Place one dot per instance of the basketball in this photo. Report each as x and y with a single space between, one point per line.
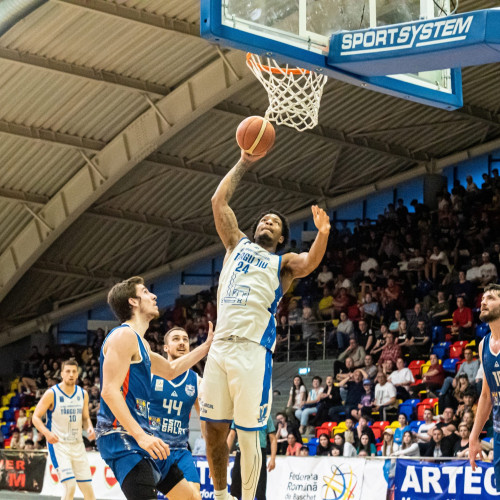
255 135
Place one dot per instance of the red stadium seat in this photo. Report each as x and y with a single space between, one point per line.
456 351
415 365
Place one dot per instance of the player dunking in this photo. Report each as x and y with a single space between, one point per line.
489 352
124 437
237 378
67 409
171 405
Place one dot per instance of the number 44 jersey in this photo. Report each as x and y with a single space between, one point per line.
170 407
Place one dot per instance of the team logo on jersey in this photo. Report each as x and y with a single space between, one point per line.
262 413
159 384
61 399
154 423
190 390
141 407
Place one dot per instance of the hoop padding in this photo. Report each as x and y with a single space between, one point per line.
294 93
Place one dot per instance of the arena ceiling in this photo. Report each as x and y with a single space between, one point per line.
117 123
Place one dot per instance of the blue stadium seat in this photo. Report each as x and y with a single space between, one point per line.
8 415
312 449
5 430
442 349
449 365
438 334
415 425
482 330
408 407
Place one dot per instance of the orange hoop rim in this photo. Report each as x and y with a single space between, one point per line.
276 71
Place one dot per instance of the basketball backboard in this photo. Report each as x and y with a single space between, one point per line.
299 32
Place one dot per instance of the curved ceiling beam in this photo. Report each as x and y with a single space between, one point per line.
139 16
51 65
212 84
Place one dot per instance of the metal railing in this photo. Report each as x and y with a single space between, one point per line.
318 346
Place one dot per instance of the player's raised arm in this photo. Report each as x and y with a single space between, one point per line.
300 265
225 220
45 404
483 412
172 369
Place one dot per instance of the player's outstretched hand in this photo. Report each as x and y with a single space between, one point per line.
51 438
321 219
154 446
475 451
91 433
250 158
210 335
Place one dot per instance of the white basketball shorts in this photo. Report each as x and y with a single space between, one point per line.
70 461
237 384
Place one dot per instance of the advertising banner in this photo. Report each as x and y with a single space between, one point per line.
21 470
327 478
106 486
445 481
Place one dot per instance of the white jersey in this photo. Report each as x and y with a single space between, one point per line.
65 420
248 295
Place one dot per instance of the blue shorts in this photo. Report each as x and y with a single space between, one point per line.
184 460
496 458
122 453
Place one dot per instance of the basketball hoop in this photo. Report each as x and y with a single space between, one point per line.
294 93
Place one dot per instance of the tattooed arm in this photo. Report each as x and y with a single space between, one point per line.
225 220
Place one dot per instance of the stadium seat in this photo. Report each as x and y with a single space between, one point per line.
449 365
312 449
380 424
377 432
424 405
322 430
456 351
441 349
415 425
424 369
408 407
457 366
5 430
415 365
482 330
6 399
14 385
2 410
8 415
438 333
394 425
461 343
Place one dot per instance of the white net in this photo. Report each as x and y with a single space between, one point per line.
294 93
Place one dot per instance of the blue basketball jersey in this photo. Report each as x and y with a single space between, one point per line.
136 390
491 366
170 407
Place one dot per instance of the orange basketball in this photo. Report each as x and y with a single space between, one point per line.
255 135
